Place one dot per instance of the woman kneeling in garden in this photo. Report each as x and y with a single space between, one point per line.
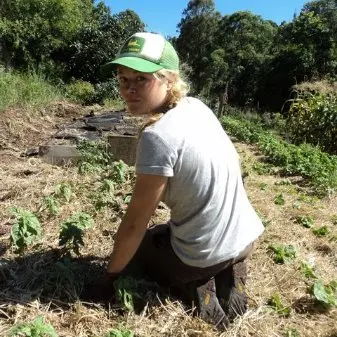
185 159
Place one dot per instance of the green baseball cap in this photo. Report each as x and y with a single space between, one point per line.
145 52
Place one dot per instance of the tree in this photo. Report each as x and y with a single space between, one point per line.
305 49
98 41
243 44
194 44
31 30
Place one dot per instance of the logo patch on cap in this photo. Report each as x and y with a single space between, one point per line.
134 45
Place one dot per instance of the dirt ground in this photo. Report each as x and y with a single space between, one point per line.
29 286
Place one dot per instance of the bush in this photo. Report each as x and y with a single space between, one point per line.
313 119
80 91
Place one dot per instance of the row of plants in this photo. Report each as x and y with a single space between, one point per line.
95 158
317 167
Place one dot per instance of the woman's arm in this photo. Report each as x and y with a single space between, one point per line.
147 193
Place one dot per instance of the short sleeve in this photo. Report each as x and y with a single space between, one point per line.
155 156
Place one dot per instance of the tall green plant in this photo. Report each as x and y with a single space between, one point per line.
26 229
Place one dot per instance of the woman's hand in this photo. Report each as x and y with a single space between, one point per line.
101 290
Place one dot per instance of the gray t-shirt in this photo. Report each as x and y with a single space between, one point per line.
212 219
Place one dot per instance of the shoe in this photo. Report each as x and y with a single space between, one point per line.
208 305
230 286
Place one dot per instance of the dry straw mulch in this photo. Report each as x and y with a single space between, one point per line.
29 285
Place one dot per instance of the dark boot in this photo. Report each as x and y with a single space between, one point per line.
230 285
203 294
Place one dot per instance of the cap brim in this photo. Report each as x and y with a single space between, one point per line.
135 63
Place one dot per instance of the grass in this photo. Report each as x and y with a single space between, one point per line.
25 90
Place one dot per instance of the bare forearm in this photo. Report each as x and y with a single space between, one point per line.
127 241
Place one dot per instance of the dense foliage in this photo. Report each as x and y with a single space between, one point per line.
247 61
240 59
313 119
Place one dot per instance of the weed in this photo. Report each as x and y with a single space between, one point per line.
305 221
25 230
279 199
51 204
119 171
263 186
94 156
285 182
308 270
126 288
36 328
72 231
292 333
276 303
262 168
326 295
282 254
322 231
64 191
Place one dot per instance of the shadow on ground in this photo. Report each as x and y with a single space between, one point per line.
50 276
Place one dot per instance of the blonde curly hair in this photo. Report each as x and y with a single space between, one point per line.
178 91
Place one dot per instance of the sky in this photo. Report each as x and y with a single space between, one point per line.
163 16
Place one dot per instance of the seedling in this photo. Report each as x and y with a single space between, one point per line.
279 199
94 156
51 204
63 190
322 231
326 295
308 270
126 288
72 231
305 221
276 303
26 229
36 328
119 171
282 254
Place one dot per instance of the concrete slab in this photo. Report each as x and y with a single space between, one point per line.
123 147
56 154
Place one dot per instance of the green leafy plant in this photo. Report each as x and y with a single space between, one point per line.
51 204
276 303
308 270
279 199
36 328
72 231
94 156
126 288
282 254
322 231
63 190
119 172
120 333
25 230
326 295
105 195
305 221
